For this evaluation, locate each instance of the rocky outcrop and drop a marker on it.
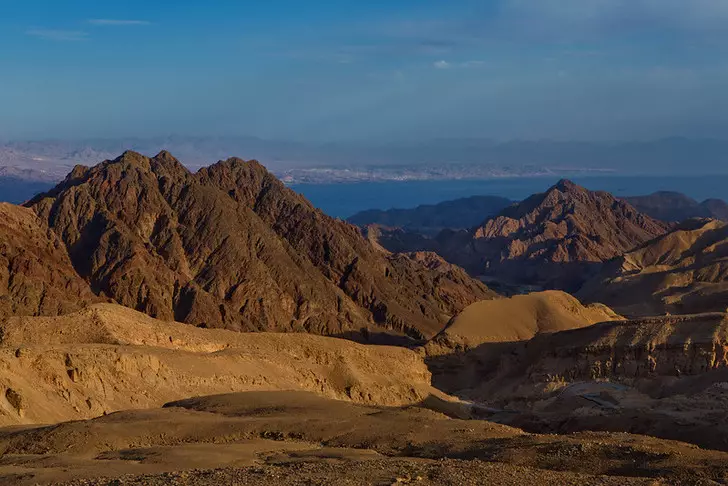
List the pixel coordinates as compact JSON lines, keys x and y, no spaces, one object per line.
{"x":232,"y":247}
{"x":643,"y":352}
{"x":36,"y":275}
{"x":671,"y":346}
{"x":106,"y":358}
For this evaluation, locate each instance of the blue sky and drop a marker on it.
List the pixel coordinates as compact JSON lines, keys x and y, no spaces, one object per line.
{"x":354,"y":70}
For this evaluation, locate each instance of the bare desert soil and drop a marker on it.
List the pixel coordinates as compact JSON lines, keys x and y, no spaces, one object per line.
{"x":304,"y":409}
{"x":300,"y":438}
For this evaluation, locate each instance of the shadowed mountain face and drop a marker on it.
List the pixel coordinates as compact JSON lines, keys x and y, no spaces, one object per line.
{"x":554,"y":239}
{"x":674,"y":206}
{"x":431,"y":219}
{"x":232,"y":247}
{"x":36,"y":275}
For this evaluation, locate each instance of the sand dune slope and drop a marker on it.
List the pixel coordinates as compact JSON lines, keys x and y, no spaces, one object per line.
{"x":106,"y":358}
{"x":519,"y":318}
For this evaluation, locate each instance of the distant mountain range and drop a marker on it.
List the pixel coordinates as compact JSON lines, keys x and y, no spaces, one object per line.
{"x":337,"y":162}
{"x":468,"y":212}
{"x":674,"y":206}
{"x":430,"y":219}
{"x":628,"y":253}
{"x":552,"y":239}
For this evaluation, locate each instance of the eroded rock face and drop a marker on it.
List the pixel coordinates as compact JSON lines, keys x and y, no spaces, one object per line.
{"x":556,"y":238}
{"x":36,"y":275}
{"x":232,"y":247}
{"x":643,"y":352}
{"x":661,"y":376}
{"x":684,"y":271}
{"x":671,"y":346}
{"x":107,"y":357}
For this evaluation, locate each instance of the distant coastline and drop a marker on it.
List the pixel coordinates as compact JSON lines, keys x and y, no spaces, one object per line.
{"x":342,"y":200}
{"x":439,"y":172}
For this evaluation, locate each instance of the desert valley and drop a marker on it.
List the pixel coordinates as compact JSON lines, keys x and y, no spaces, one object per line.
{"x":164,"y":326}
{"x":465,"y":242}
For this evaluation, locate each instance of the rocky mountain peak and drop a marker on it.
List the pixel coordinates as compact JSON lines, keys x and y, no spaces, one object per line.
{"x":567,"y":186}
{"x":230,"y":246}
{"x":553,"y":238}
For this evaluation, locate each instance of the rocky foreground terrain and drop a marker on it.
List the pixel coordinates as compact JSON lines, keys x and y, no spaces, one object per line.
{"x":128,"y":293}
{"x":303,"y":409}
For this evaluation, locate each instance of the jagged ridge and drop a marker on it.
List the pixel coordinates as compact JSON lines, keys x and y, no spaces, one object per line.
{"x":232,"y":247}
{"x":552,"y":238}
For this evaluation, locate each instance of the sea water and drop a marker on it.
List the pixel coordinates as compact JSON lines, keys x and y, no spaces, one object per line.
{"x":344,"y":200}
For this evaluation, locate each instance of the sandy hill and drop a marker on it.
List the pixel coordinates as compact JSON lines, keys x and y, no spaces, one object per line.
{"x":231,"y":247}
{"x":36,"y":275}
{"x":674,"y":206}
{"x":108,"y":357}
{"x":684,"y":271}
{"x":554,"y":238}
{"x":519,"y":318}
{"x":430,"y":219}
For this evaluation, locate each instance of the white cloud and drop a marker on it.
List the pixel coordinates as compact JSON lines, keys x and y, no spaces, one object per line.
{"x":118,"y":22}
{"x":58,"y":35}
{"x":459,"y":65}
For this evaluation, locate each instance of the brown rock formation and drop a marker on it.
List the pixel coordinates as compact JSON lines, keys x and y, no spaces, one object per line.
{"x":684,"y":271}
{"x":671,"y":346}
{"x":554,"y":238}
{"x":232,"y":247}
{"x":641,"y":376}
{"x":36,"y":275}
{"x":651,"y":354}
{"x":107,"y":358}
